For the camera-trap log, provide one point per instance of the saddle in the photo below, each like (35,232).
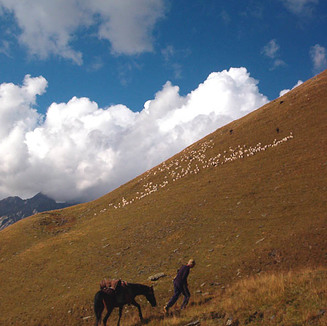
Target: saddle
(118,287)
(113,284)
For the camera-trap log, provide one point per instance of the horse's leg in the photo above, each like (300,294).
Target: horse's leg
(98,312)
(109,310)
(134,303)
(98,307)
(120,312)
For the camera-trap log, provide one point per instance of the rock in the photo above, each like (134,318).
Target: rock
(260,240)
(214,284)
(157,276)
(194,323)
(231,322)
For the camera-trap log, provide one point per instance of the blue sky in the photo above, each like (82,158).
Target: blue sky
(85,84)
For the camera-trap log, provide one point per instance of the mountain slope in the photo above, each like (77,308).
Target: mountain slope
(13,209)
(246,199)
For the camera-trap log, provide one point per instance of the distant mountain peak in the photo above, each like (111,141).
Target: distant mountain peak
(40,195)
(13,209)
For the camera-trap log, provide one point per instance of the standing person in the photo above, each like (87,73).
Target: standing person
(180,286)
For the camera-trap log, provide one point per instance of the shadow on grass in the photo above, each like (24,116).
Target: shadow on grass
(177,313)
(201,302)
(152,318)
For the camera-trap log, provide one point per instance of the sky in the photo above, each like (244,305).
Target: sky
(93,93)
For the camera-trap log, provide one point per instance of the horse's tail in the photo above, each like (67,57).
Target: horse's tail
(98,307)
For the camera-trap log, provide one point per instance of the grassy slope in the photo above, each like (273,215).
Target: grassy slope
(293,298)
(266,212)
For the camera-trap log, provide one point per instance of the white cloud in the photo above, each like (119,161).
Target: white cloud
(284,91)
(318,55)
(278,63)
(79,151)
(17,102)
(168,52)
(50,27)
(17,117)
(47,26)
(271,50)
(128,24)
(300,7)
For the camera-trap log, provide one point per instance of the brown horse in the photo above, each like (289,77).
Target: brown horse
(108,299)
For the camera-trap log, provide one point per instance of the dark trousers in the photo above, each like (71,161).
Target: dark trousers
(178,291)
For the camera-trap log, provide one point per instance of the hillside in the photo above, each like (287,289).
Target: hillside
(13,209)
(247,199)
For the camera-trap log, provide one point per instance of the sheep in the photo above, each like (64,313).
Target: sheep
(191,156)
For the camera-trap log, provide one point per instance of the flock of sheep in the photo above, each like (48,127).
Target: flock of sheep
(192,162)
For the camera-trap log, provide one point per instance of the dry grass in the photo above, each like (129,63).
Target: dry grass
(289,299)
(260,213)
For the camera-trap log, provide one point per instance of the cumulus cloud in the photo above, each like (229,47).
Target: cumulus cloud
(300,7)
(284,91)
(78,151)
(17,117)
(50,27)
(318,56)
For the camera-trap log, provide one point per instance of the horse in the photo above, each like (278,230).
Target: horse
(107,299)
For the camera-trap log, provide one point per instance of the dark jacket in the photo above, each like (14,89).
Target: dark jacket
(181,278)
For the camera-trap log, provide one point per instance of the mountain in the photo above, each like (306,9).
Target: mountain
(13,209)
(246,202)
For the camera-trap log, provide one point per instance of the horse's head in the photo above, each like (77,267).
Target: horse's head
(150,296)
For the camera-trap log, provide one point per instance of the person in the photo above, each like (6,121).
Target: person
(180,286)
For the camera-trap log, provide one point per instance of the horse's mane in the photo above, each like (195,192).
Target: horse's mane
(138,285)
(139,288)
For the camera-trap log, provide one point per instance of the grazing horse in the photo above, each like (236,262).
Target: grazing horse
(107,299)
